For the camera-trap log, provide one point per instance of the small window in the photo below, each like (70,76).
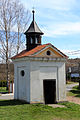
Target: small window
(48,52)
(36,40)
(31,41)
(22,73)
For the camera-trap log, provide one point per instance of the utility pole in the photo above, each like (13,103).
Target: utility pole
(70,72)
(79,73)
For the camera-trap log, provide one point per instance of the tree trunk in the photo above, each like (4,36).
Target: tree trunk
(18,42)
(7,76)
(7,70)
(79,84)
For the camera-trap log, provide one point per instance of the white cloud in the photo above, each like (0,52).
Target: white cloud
(62,29)
(52,4)
(58,4)
(68,28)
(54,29)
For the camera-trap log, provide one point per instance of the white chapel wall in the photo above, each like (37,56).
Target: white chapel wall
(47,70)
(17,65)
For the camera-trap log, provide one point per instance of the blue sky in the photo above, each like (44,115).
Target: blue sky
(60,22)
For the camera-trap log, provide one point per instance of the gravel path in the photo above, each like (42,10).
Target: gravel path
(73,99)
(70,86)
(7,96)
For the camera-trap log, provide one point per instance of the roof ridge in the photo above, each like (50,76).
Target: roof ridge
(34,26)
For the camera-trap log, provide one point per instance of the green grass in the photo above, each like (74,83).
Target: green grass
(70,82)
(3,89)
(16,110)
(74,92)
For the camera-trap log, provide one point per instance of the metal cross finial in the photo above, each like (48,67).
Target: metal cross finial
(33,13)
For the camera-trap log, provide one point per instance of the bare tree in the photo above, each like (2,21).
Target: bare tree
(12,17)
(22,22)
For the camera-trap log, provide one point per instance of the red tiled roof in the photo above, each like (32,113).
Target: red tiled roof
(25,53)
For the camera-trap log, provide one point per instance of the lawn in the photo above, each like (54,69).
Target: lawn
(3,90)
(74,92)
(16,110)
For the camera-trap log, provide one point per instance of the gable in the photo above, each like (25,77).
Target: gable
(53,53)
(41,51)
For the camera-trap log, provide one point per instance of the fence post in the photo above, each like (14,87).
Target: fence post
(9,86)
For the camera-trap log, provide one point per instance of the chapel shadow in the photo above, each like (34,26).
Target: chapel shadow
(11,102)
(76,91)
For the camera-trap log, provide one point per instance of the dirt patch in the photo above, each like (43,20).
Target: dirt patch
(56,105)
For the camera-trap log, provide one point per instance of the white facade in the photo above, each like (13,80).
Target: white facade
(30,86)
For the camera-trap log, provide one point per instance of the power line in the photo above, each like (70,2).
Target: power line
(73,51)
(73,54)
(77,52)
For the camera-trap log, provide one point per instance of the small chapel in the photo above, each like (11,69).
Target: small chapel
(39,70)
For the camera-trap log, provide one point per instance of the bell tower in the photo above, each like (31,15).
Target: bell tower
(33,35)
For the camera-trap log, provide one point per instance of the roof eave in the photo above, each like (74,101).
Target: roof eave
(28,33)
